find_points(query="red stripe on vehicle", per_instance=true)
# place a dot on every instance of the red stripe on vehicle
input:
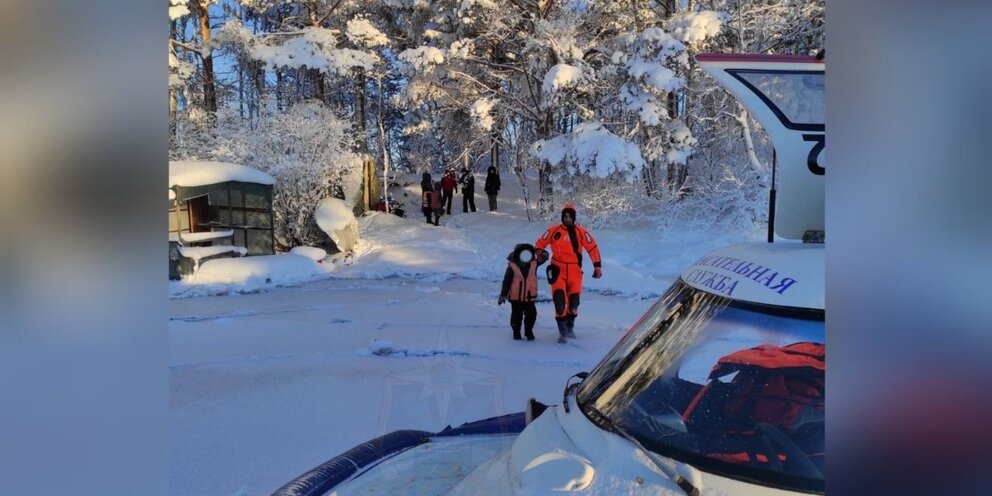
(756, 57)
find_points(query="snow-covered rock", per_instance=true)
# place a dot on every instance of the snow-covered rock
(313, 253)
(337, 219)
(380, 348)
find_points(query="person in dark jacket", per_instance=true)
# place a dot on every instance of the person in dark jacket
(492, 187)
(468, 189)
(520, 287)
(426, 187)
(426, 183)
(449, 186)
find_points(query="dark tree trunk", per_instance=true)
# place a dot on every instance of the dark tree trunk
(364, 143)
(209, 91)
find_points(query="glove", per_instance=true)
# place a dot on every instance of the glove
(541, 256)
(596, 274)
(501, 300)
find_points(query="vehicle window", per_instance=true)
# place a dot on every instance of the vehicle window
(796, 97)
(733, 389)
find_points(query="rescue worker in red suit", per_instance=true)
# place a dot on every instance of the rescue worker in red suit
(520, 287)
(567, 240)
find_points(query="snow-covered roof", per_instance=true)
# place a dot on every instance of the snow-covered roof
(783, 274)
(188, 173)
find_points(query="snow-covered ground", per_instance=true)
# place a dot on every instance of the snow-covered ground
(271, 379)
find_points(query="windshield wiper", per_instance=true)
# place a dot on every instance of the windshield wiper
(669, 471)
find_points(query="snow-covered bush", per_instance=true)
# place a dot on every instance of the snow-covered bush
(590, 149)
(308, 149)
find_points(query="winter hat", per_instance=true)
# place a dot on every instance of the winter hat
(568, 208)
(519, 250)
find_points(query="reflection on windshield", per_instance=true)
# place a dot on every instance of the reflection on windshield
(798, 97)
(733, 389)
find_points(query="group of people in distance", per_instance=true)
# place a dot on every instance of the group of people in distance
(435, 197)
(566, 241)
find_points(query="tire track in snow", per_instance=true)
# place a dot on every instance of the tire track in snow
(240, 314)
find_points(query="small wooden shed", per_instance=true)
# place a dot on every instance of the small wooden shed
(218, 204)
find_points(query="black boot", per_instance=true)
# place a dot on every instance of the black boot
(516, 333)
(570, 327)
(562, 330)
(529, 334)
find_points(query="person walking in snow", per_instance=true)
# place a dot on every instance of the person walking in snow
(436, 204)
(449, 186)
(426, 187)
(468, 189)
(567, 240)
(492, 187)
(520, 287)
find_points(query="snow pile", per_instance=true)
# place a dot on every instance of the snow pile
(188, 173)
(205, 236)
(361, 32)
(336, 218)
(593, 148)
(691, 27)
(480, 112)
(560, 77)
(380, 348)
(251, 274)
(316, 254)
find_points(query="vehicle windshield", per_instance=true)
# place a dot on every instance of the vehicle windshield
(731, 388)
